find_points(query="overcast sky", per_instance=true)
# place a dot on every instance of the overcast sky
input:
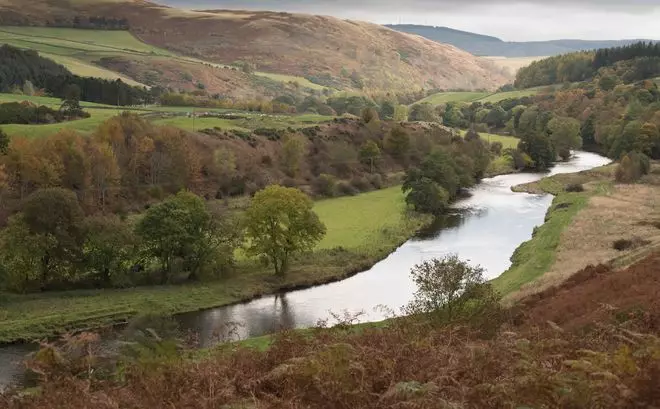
(522, 20)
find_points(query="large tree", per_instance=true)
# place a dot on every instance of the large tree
(279, 223)
(55, 216)
(175, 229)
(565, 135)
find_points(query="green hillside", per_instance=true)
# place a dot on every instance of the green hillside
(78, 49)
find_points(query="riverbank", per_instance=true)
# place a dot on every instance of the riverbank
(582, 228)
(362, 230)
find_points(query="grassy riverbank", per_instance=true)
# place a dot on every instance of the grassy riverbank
(581, 228)
(361, 231)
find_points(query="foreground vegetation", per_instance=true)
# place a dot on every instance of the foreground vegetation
(547, 352)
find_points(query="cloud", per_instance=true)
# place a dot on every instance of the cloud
(515, 20)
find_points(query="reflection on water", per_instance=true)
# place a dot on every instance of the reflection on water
(484, 228)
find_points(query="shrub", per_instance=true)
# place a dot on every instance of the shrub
(574, 188)
(361, 184)
(376, 181)
(325, 185)
(448, 287)
(346, 189)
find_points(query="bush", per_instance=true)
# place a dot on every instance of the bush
(361, 184)
(449, 288)
(325, 185)
(574, 188)
(346, 189)
(632, 167)
(376, 181)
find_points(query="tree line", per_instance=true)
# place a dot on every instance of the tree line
(18, 67)
(633, 62)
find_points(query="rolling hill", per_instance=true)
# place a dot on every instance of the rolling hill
(323, 50)
(484, 45)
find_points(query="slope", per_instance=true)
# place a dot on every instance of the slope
(325, 50)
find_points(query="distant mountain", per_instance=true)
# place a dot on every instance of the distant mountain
(483, 45)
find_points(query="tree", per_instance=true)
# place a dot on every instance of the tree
(445, 285)
(632, 167)
(397, 143)
(369, 114)
(426, 196)
(400, 113)
(431, 187)
(422, 112)
(280, 222)
(28, 88)
(565, 135)
(588, 131)
(453, 116)
(539, 148)
(109, 247)
(496, 117)
(370, 154)
(387, 110)
(55, 216)
(174, 229)
(4, 142)
(292, 155)
(21, 256)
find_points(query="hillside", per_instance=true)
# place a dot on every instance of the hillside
(483, 45)
(325, 50)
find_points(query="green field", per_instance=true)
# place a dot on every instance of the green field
(248, 122)
(380, 228)
(444, 97)
(501, 96)
(483, 97)
(370, 214)
(506, 141)
(86, 125)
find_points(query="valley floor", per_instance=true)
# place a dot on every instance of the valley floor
(362, 230)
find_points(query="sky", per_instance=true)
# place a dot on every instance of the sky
(511, 20)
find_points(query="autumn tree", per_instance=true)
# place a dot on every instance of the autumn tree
(369, 114)
(280, 222)
(565, 135)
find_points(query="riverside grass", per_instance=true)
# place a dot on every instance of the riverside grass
(535, 257)
(362, 230)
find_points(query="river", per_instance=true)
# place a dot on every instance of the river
(484, 228)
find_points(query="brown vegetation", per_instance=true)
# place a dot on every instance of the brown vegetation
(332, 52)
(621, 212)
(593, 342)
